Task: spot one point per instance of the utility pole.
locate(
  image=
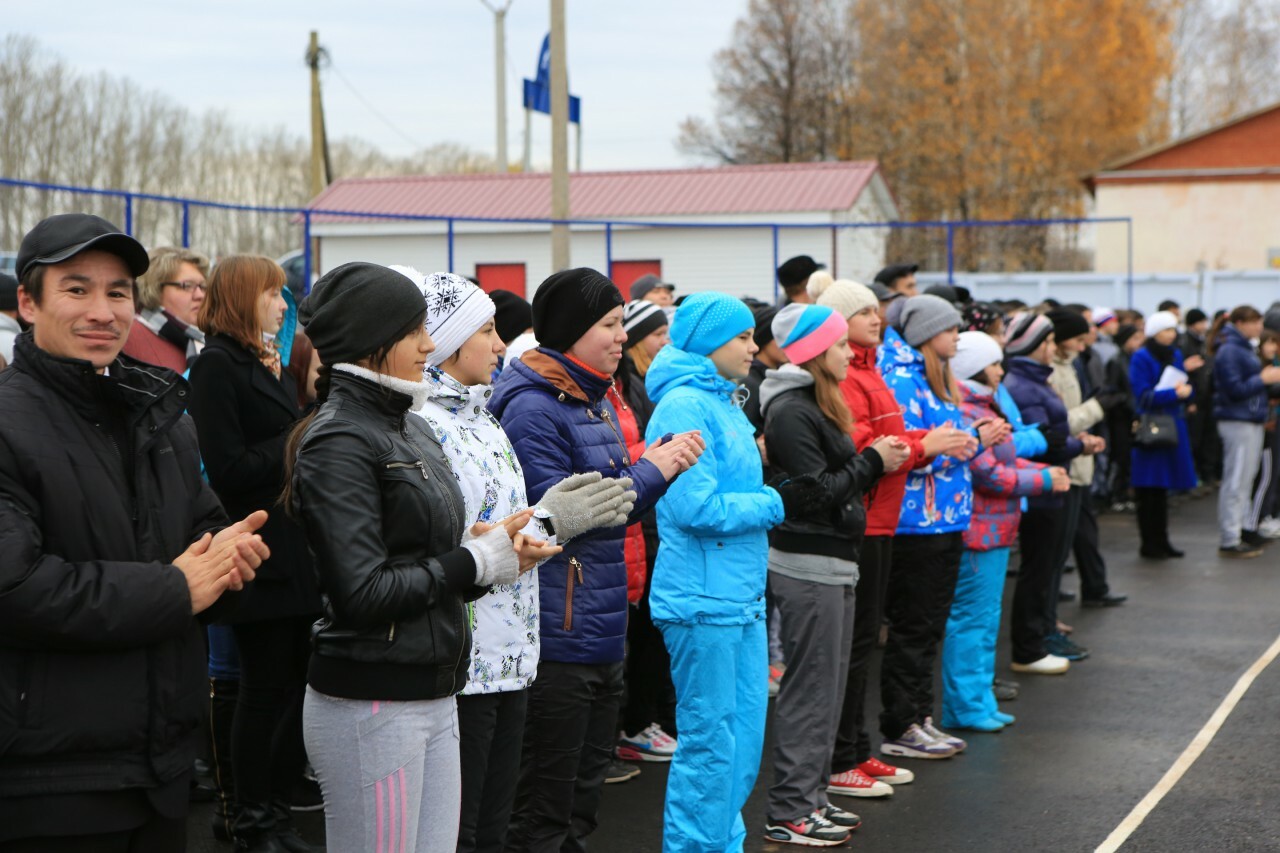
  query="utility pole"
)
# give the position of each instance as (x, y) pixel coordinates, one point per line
(321, 170)
(500, 77)
(559, 139)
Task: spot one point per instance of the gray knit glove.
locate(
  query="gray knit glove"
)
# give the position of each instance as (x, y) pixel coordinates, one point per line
(496, 561)
(586, 502)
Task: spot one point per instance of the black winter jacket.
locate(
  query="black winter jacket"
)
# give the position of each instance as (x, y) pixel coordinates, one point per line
(243, 417)
(102, 665)
(800, 440)
(384, 518)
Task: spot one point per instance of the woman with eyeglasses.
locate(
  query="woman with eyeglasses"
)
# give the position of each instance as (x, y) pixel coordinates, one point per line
(171, 291)
(244, 406)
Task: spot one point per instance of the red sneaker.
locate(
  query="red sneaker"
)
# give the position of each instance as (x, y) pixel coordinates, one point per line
(855, 783)
(887, 773)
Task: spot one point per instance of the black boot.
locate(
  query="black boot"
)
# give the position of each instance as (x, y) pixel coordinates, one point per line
(287, 833)
(222, 708)
(254, 829)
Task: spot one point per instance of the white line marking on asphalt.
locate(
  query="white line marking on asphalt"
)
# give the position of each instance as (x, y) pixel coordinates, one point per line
(1189, 755)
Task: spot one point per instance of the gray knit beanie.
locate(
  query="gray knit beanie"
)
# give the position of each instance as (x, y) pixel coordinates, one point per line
(925, 316)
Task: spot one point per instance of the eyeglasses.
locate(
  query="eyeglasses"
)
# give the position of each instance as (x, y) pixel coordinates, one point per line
(187, 286)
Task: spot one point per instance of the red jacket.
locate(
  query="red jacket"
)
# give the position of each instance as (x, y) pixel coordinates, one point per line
(637, 567)
(876, 413)
(148, 347)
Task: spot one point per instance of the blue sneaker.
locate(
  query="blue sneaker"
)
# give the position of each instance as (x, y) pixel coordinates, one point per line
(1007, 719)
(988, 725)
(1059, 645)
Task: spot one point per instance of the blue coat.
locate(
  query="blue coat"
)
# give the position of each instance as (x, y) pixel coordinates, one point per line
(939, 496)
(1028, 384)
(1238, 392)
(1028, 441)
(560, 423)
(714, 520)
(1160, 469)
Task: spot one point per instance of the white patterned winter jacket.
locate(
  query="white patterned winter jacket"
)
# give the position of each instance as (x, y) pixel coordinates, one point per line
(504, 622)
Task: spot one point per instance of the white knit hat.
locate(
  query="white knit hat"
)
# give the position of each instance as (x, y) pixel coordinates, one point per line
(456, 310)
(1160, 321)
(975, 352)
(845, 296)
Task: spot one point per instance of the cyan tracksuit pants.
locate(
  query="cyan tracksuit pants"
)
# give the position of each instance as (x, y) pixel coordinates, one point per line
(721, 675)
(969, 652)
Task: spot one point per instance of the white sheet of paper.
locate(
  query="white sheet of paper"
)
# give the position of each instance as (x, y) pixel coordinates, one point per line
(1171, 378)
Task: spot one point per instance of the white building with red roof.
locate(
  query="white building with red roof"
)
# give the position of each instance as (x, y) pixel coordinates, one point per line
(701, 229)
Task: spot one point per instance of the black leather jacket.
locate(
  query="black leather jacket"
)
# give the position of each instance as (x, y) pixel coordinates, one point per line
(384, 517)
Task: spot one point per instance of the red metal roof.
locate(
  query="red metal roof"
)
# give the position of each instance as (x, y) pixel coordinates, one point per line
(777, 188)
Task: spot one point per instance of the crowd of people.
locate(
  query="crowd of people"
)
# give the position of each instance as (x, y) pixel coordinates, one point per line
(462, 560)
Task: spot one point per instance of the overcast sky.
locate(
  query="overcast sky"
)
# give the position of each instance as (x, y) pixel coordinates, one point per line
(426, 65)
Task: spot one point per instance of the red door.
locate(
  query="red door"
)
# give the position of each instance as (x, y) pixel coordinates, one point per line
(501, 277)
(624, 273)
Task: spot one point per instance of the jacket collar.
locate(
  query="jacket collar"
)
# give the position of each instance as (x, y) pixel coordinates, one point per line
(260, 379)
(380, 394)
(1029, 368)
(455, 398)
(864, 358)
(130, 387)
(565, 376)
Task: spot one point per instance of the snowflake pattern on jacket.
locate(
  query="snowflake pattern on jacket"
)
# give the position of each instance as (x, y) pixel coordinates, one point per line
(504, 621)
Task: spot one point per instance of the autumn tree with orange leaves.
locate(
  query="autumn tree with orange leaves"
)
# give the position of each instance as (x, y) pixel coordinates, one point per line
(976, 109)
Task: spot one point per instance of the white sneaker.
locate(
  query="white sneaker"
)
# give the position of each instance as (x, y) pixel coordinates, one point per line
(938, 734)
(1269, 528)
(652, 744)
(1047, 665)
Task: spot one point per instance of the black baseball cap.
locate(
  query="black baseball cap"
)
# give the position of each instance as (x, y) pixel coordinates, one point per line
(893, 272)
(883, 293)
(66, 235)
(641, 286)
(797, 269)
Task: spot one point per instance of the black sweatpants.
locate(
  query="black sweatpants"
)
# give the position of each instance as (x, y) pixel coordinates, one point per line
(853, 745)
(568, 742)
(922, 583)
(1153, 519)
(267, 753)
(491, 733)
(1072, 502)
(1090, 565)
(1040, 534)
(157, 835)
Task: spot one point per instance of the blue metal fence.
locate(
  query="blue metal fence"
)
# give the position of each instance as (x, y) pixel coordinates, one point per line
(307, 215)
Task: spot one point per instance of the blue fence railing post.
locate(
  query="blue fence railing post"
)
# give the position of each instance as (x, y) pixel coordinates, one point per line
(128, 214)
(773, 273)
(186, 225)
(951, 254)
(306, 251)
(608, 250)
(1128, 224)
(450, 245)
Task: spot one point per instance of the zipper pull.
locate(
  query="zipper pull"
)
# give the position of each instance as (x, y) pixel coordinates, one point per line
(423, 468)
(573, 561)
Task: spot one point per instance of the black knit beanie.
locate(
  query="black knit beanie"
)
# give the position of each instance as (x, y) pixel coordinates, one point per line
(1067, 324)
(764, 325)
(513, 315)
(569, 303)
(1122, 335)
(356, 309)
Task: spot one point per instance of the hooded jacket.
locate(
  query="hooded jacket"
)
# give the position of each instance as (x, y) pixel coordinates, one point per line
(1028, 384)
(938, 496)
(714, 520)
(875, 413)
(802, 440)
(560, 423)
(104, 677)
(1238, 391)
(1000, 479)
(504, 621)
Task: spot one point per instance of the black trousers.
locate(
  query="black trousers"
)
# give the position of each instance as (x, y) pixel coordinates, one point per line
(922, 582)
(1071, 505)
(650, 696)
(267, 752)
(1153, 519)
(853, 745)
(568, 743)
(1090, 565)
(491, 733)
(1040, 534)
(157, 835)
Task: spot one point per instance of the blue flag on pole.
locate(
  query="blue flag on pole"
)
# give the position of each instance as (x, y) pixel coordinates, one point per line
(537, 92)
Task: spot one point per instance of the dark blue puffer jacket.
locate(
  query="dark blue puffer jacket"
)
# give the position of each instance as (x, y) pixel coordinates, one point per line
(560, 423)
(1040, 405)
(1238, 392)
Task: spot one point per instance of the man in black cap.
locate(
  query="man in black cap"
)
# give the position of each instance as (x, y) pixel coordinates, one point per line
(900, 278)
(655, 290)
(793, 275)
(9, 326)
(113, 544)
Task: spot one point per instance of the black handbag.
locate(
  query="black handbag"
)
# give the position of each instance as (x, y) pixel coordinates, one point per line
(1156, 432)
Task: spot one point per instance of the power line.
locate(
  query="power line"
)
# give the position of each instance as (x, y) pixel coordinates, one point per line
(371, 108)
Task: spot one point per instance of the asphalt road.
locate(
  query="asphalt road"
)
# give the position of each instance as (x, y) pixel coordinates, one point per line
(1087, 746)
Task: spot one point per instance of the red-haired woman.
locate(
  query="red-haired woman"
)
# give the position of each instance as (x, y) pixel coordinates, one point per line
(244, 406)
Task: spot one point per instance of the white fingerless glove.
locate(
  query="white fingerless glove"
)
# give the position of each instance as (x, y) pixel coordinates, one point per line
(496, 560)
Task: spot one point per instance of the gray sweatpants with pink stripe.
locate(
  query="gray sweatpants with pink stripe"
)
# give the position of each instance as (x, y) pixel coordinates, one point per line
(389, 772)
